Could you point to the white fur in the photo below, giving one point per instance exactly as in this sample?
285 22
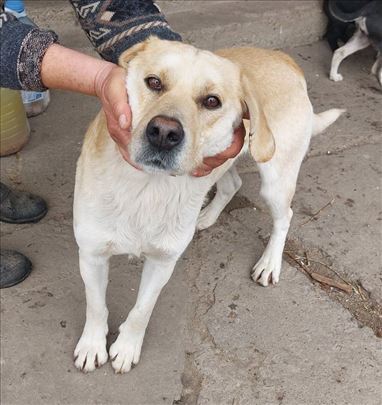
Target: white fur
119 209
358 41
322 120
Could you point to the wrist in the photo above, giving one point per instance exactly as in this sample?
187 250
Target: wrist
66 69
101 76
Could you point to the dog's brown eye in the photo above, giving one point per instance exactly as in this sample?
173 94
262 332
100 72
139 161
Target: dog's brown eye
154 83
211 102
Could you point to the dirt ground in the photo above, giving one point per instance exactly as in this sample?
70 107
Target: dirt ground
215 337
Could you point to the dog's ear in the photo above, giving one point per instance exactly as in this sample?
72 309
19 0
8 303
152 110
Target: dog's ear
261 141
131 53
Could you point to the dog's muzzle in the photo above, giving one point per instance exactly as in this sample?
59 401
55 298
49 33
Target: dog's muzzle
163 139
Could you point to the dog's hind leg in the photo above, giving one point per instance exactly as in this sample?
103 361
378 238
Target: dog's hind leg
226 188
357 42
277 189
91 351
126 350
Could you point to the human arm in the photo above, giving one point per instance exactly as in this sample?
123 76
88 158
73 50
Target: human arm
31 60
125 26
67 69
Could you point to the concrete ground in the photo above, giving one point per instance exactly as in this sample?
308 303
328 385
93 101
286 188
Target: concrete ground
215 337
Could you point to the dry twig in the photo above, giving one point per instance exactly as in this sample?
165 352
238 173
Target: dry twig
345 286
332 283
331 269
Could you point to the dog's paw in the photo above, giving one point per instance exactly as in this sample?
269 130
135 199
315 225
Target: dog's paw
336 77
207 218
90 353
125 351
266 269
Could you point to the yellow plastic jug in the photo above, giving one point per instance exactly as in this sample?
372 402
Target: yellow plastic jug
14 126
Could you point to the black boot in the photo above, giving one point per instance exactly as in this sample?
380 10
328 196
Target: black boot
17 207
14 268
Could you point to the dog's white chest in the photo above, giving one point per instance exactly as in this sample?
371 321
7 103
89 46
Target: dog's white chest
142 214
158 218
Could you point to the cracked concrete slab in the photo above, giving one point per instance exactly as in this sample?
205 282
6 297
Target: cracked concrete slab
287 344
215 337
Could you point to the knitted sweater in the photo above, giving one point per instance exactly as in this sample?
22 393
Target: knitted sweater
112 26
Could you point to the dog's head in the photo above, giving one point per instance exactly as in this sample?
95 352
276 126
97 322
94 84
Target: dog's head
186 104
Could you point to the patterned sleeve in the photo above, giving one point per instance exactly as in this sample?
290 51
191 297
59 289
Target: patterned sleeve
115 25
22 50
111 25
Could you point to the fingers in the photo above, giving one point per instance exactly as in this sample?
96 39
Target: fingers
202 170
115 104
117 98
118 119
121 111
233 150
125 154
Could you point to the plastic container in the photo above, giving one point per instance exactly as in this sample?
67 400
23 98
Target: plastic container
35 102
15 5
14 126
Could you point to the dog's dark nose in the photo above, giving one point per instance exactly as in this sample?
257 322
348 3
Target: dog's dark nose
164 133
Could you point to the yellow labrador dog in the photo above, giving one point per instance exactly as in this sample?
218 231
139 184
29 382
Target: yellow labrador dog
185 104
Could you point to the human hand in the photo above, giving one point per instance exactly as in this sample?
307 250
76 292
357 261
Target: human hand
210 163
110 87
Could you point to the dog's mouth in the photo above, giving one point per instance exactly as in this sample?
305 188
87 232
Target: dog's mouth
157 165
157 161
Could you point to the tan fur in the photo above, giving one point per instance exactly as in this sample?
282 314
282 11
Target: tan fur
180 98
130 53
154 212
264 75
97 135
270 79
261 143
270 72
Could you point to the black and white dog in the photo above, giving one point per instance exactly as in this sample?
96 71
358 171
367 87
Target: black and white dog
339 32
368 22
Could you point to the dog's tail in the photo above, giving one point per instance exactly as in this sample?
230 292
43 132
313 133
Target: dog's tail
373 7
322 120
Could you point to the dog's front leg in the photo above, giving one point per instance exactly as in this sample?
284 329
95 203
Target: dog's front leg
91 350
126 349
226 187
